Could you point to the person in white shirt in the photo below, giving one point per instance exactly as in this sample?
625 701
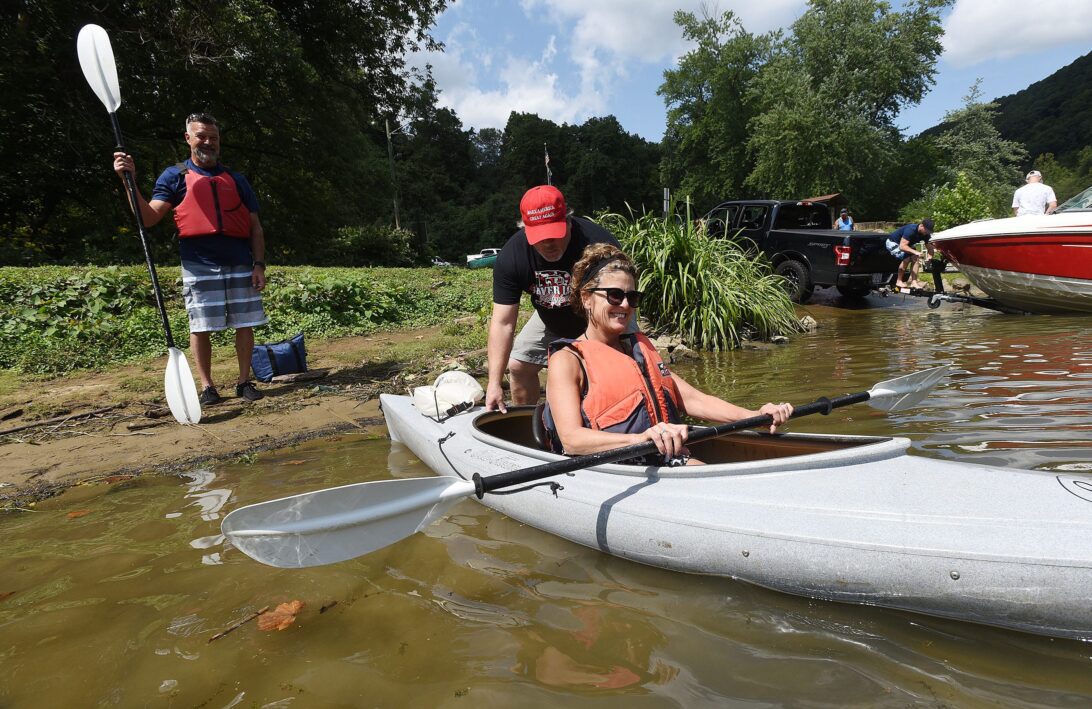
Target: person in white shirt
1034 197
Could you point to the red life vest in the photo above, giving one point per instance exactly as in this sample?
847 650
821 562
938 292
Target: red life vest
622 393
212 205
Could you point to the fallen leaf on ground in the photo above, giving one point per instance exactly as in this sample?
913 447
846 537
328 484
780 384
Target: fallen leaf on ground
77 513
294 462
280 617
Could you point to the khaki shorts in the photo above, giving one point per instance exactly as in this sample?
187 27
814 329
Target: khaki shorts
532 341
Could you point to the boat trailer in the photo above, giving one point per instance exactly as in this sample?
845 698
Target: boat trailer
938 295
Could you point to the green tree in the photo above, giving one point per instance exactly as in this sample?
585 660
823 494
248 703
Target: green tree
611 168
705 144
298 86
971 144
800 113
826 103
1066 181
959 203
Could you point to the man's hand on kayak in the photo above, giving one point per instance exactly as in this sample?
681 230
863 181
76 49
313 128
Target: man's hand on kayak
494 398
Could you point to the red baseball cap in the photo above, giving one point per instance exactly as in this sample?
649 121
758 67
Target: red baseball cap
543 212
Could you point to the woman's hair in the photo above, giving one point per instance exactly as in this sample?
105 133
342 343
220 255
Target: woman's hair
597 260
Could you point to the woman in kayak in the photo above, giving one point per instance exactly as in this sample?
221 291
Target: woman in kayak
608 389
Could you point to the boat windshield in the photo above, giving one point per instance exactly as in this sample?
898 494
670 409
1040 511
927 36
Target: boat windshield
1081 202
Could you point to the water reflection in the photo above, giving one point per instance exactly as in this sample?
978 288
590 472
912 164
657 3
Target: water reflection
1021 394
116 607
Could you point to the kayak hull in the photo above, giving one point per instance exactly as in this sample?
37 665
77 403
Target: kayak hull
841 518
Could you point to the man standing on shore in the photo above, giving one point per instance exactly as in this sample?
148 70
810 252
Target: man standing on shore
222 246
538 259
1034 197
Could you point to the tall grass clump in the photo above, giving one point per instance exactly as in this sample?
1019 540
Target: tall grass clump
710 291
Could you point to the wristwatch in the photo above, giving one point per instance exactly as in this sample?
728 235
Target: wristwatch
259 263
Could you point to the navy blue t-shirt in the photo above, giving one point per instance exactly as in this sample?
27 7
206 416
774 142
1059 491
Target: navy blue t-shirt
908 232
217 249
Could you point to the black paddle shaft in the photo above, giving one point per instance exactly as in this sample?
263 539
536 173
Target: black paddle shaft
516 477
130 185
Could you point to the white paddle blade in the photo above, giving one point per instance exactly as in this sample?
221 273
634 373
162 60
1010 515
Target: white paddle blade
341 523
181 390
904 392
97 61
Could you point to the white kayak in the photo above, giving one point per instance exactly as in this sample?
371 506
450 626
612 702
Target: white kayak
842 518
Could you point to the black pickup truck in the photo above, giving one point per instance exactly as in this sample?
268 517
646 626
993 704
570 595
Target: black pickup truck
798 239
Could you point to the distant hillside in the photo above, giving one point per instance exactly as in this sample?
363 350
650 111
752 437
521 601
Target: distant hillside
1050 116
1053 115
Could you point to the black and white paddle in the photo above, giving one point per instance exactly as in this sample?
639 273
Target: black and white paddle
341 523
97 61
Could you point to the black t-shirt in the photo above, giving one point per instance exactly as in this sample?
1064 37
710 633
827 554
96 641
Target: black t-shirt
520 269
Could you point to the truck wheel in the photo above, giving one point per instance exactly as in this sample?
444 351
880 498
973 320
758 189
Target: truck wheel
854 292
797 280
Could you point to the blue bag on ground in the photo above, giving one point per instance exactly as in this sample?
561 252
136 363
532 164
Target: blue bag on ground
284 357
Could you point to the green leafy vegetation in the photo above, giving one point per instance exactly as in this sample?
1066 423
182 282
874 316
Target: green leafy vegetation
800 113
975 168
1066 180
710 291
56 319
1053 115
305 94
951 205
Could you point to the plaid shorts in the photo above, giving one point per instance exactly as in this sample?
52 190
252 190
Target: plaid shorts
895 249
220 297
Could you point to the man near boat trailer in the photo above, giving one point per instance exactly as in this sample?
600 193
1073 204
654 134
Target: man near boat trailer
900 245
221 244
538 259
1035 197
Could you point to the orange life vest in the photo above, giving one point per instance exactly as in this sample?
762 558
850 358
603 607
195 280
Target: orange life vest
212 205
622 393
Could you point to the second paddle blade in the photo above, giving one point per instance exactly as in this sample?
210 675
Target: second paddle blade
181 392
341 523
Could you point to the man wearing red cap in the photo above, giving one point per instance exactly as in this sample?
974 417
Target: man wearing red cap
538 259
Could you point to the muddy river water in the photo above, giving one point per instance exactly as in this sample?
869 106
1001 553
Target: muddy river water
109 594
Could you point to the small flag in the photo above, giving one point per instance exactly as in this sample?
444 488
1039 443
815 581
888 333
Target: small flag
549 173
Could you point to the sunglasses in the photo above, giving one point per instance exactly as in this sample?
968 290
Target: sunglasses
615 296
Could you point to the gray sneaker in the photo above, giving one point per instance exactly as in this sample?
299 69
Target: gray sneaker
209 396
248 391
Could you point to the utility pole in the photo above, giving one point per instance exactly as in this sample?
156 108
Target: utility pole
394 178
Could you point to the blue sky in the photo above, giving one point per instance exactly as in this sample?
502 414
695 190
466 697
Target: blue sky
569 60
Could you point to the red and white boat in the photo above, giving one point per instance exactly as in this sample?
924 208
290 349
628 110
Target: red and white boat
1038 264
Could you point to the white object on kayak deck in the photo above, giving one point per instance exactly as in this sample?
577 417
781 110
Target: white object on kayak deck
451 393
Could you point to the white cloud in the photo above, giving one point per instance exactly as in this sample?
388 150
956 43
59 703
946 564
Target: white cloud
979 30
605 40
645 29
525 85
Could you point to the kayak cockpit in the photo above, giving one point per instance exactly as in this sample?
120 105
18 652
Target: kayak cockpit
513 431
